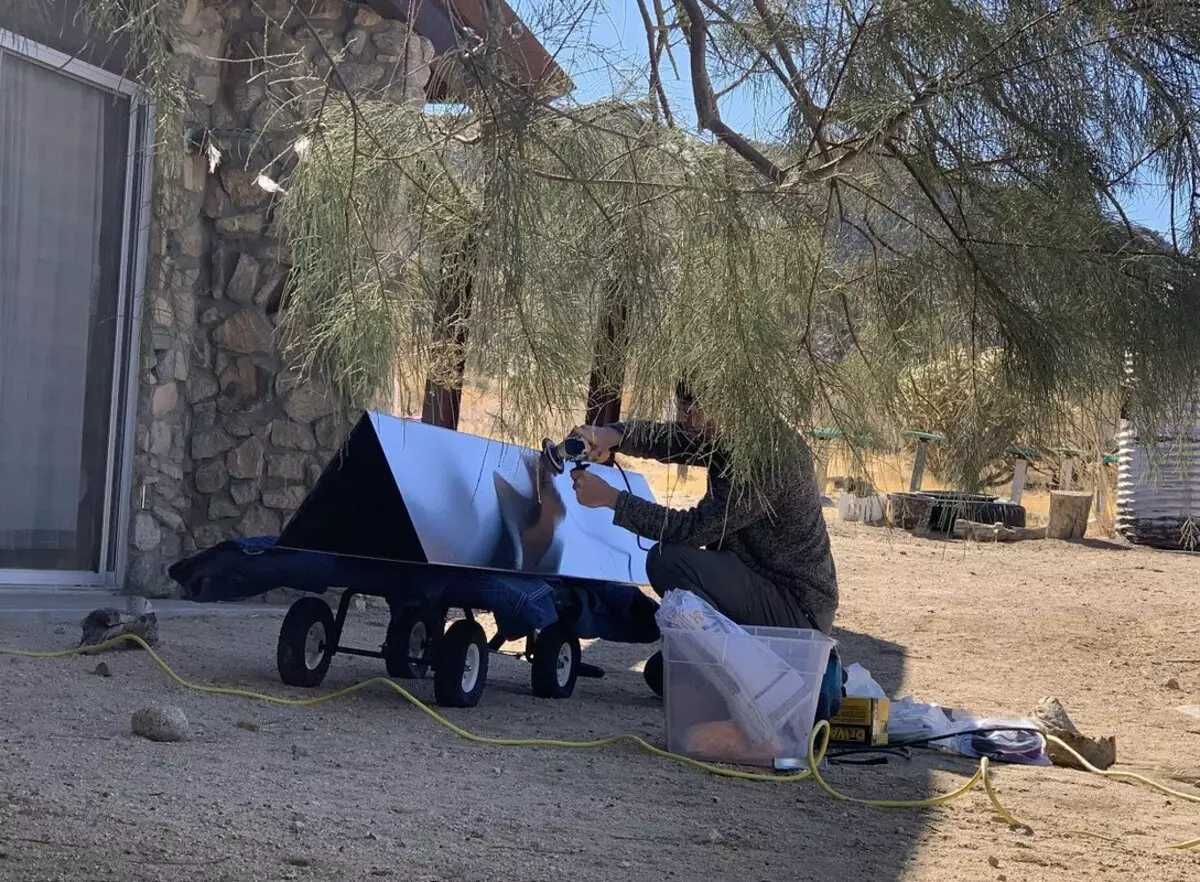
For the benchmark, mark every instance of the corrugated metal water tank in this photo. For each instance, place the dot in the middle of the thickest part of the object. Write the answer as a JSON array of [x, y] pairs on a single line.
[[1158, 490]]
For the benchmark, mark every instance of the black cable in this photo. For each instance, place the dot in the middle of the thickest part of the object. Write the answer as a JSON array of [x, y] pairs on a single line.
[[927, 740], [629, 487]]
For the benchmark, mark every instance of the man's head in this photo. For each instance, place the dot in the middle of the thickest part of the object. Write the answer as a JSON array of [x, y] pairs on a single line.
[[689, 412]]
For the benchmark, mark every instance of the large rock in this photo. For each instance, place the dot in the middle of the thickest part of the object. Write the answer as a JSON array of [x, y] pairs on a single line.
[[211, 477], [359, 77], [356, 42], [259, 521], [208, 535], [165, 398], [244, 492], [306, 403], [242, 226], [367, 18], [220, 508], [329, 432], [160, 724], [146, 532], [204, 416], [201, 386], [393, 40], [243, 383], [147, 576], [270, 292], [191, 239], [160, 438], [285, 498], [170, 519], [246, 461], [244, 281], [206, 445], [293, 436], [202, 31], [242, 187], [247, 331], [326, 10], [289, 466]]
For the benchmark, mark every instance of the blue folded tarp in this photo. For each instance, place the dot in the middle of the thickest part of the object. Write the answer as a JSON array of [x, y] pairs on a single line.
[[521, 603]]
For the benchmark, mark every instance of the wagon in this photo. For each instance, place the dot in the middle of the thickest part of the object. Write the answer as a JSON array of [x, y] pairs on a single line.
[[433, 521]]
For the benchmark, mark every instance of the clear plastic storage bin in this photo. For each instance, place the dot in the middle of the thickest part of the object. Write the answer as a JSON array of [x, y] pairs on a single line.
[[742, 698]]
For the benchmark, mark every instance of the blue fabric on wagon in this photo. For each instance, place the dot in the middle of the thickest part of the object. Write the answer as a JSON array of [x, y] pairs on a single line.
[[238, 569]]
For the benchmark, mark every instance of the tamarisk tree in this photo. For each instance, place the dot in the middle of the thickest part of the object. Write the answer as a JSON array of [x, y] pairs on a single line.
[[924, 180]]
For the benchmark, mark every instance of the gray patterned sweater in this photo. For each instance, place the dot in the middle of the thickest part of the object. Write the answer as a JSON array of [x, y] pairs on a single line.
[[778, 532]]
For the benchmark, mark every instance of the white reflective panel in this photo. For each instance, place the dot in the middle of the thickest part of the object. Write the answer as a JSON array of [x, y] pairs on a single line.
[[477, 502]]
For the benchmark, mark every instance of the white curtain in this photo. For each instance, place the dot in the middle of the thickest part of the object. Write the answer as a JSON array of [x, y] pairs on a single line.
[[52, 168]]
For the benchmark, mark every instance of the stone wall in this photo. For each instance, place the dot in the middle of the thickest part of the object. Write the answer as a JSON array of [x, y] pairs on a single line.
[[228, 438]]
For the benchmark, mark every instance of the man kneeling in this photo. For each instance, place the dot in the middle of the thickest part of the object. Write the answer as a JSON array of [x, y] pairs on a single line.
[[761, 556]]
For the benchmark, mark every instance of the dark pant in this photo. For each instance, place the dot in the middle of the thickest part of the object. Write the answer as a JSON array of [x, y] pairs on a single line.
[[724, 581]]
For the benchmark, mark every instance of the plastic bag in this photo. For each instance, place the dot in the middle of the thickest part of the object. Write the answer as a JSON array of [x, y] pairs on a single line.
[[860, 684], [910, 720]]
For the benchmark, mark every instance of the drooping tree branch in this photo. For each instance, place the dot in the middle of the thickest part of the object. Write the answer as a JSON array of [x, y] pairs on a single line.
[[652, 50], [707, 113]]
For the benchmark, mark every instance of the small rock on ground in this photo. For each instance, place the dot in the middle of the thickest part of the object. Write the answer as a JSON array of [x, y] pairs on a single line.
[[101, 670], [161, 724]]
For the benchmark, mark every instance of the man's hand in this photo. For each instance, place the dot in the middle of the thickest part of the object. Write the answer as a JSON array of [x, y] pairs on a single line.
[[592, 491], [601, 440]]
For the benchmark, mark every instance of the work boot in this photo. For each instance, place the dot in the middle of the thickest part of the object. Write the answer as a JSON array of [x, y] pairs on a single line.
[[653, 672]]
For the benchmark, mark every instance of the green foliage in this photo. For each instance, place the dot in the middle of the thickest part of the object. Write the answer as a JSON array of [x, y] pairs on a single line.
[[942, 184], [968, 401], [151, 29]]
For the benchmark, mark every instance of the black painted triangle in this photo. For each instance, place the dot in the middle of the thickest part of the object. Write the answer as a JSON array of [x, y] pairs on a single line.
[[355, 508]]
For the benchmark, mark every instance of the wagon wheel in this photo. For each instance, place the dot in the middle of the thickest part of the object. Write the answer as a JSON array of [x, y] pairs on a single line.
[[460, 665], [305, 646], [555, 666]]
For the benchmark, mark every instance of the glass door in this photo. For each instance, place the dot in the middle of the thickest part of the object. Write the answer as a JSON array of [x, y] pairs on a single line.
[[65, 216]]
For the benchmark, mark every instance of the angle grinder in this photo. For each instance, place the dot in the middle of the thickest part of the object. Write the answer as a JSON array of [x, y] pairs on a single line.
[[572, 449]]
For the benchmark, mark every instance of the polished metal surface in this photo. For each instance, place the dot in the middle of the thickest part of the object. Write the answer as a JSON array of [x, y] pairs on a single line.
[[478, 502]]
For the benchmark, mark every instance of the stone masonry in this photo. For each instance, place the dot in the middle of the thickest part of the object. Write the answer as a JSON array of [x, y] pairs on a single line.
[[229, 439]]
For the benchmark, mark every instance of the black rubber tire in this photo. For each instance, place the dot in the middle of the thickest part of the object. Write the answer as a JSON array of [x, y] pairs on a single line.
[[555, 663], [948, 507], [291, 655], [463, 644], [397, 648]]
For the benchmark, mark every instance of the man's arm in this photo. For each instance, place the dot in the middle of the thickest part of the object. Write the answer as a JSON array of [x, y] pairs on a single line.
[[667, 442], [716, 515]]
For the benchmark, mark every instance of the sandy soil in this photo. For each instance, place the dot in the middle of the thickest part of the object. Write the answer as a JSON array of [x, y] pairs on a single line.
[[369, 788]]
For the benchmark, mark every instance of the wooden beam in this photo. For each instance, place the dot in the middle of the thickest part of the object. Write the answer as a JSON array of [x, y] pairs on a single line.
[[1020, 472], [918, 469]]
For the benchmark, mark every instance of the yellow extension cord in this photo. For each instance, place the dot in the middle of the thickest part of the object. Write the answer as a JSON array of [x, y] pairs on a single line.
[[815, 753]]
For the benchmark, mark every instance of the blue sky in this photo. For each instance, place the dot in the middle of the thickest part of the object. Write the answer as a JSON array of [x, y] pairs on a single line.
[[603, 47]]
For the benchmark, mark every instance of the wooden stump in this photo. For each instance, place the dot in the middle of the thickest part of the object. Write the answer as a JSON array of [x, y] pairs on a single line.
[[1069, 512]]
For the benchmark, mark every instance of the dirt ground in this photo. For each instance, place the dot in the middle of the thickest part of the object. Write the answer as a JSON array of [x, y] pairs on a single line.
[[368, 787]]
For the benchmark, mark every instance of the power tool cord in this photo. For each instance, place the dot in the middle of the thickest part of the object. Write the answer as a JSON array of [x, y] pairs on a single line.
[[629, 487], [818, 741]]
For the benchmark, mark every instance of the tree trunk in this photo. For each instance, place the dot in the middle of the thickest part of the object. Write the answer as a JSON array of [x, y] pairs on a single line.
[[1068, 514], [443, 394], [608, 364]]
